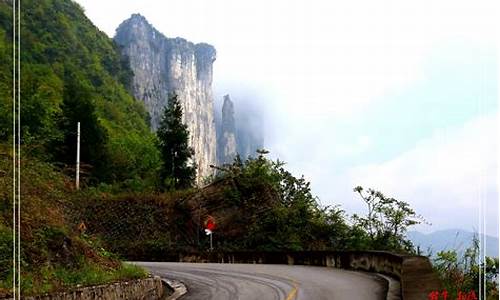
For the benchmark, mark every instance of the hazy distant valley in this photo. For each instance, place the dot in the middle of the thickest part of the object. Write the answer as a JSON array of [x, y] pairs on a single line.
[[450, 239]]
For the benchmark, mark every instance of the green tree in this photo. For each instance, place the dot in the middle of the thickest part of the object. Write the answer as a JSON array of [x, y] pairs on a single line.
[[387, 221], [77, 107], [277, 211], [178, 171]]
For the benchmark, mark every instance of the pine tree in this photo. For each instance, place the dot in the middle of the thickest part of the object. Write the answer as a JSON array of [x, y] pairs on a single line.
[[177, 171]]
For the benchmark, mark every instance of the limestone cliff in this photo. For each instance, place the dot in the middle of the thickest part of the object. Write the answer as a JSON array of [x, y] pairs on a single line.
[[164, 65], [226, 135]]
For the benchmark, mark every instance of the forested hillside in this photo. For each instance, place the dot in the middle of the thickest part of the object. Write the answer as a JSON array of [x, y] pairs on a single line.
[[70, 72]]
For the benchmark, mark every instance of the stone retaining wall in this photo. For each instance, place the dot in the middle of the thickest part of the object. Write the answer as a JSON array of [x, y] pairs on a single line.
[[140, 289]]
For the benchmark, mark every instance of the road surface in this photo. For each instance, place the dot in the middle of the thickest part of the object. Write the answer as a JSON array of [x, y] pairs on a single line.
[[269, 282]]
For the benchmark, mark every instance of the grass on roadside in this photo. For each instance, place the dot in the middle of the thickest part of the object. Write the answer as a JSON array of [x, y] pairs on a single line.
[[60, 278]]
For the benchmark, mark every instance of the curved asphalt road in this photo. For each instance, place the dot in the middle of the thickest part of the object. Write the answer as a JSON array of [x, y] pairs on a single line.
[[269, 282]]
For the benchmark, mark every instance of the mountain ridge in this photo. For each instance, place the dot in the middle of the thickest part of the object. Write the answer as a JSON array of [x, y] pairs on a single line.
[[448, 239]]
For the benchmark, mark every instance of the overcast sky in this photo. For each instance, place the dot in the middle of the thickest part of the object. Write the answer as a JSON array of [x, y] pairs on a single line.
[[393, 95]]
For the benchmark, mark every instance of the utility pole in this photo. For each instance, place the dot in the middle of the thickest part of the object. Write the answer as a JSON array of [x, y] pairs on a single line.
[[78, 157]]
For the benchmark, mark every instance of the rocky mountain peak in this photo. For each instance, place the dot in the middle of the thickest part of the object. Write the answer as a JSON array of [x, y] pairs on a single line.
[[138, 17], [133, 27]]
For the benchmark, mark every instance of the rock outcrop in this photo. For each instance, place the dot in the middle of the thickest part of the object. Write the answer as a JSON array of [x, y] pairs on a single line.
[[226, 135], [163, 66], [239, 131]]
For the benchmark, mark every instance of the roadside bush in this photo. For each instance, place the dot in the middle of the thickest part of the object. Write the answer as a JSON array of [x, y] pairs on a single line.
[[463, 273]]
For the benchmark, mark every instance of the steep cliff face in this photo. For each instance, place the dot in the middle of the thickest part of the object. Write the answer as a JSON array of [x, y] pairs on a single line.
[[162, 66], [227, 133]]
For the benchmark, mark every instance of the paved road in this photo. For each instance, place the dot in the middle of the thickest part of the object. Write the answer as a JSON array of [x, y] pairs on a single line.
[[269, 282]]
